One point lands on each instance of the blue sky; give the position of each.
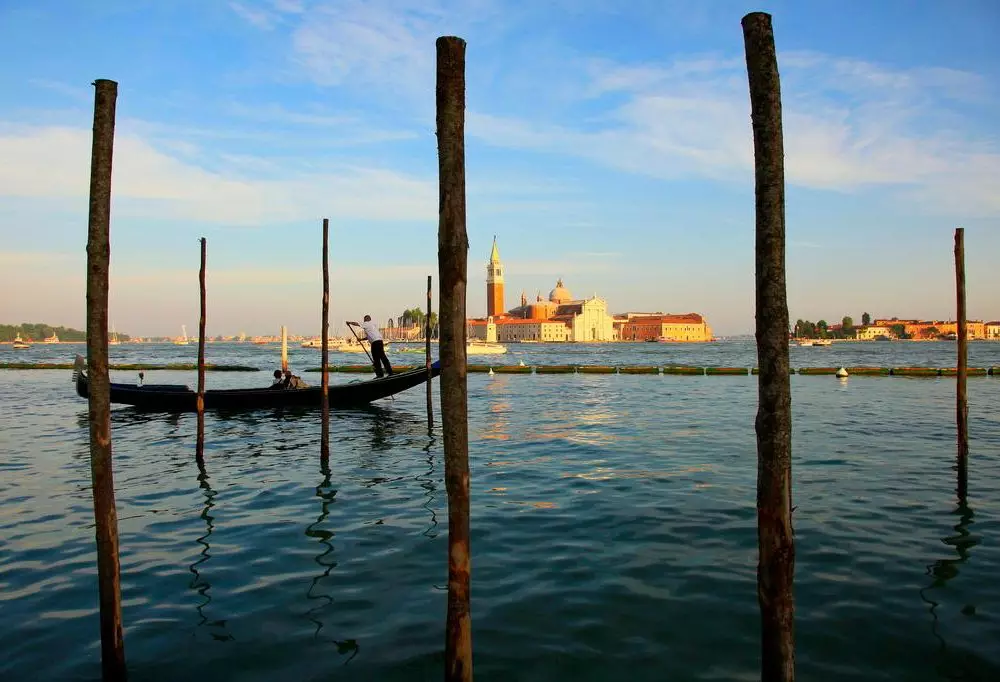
(608, 143)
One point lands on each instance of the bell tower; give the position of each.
(494, 283)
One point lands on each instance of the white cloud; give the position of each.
(848, 126)
(54, 162)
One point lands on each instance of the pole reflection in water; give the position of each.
(943, 570)
(327, 494)
(427, 483)
(199, 584)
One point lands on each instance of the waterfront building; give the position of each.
(561, 317)
(993, 330)
(923, 329)
(687, 327)
(872, 333)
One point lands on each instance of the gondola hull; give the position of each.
(180, 398)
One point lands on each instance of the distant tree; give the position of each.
(900, 331)
(931, 332)
(37, 331)
(866, 319)
(821, 329)
(847, 323)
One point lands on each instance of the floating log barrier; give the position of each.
(970, 371)
(727, 371)
(99, 401)
(453, 246)
(595, 369)
(639, 370)
(773, 426)
(825, 371)
(868, 371)
(555, 369)
(915, 371)
(684, 371)
(550, 369)
(509, 369)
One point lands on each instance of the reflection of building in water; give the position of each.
(496, 428)
(561, 317)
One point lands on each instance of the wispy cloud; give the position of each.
(848, 125)
(54, 162)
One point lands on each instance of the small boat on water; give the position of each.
(483, 348)
(180, 398)
(332, 342)
(19, 343)
(51, 339)
(182, 340)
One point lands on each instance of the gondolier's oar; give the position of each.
(351, 327)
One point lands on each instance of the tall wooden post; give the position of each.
(776, 563)
(453, 247)
(962, 402)
(200, 442)
(324, 443)
(284, 348)
(101, 473)
(427, 359)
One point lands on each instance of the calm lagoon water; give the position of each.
(613, 525)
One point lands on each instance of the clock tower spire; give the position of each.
(494, 283)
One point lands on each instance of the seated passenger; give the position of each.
(292, 381)
(278, 381)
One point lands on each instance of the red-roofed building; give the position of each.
(690, 327)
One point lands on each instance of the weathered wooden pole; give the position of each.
(324, 443)
(200, 442)
(962, 406)
(101, 473)
(427, 359)
(284, 348)
(453, 247)
(776, 562)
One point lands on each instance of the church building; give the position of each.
(560, 318)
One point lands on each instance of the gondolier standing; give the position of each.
(379, 358)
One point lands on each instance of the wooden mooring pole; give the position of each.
(962, 397)
(200, 441)
(284, 348)
(427, 359)
(324, 443)
(102, 475)
(776, 562)
(453, 247)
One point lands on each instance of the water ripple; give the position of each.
(613, 525)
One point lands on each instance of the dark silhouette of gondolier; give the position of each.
(379, 358)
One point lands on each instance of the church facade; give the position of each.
(560, 318)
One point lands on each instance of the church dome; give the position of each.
(560, 294)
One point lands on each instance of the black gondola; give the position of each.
(180, 398)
